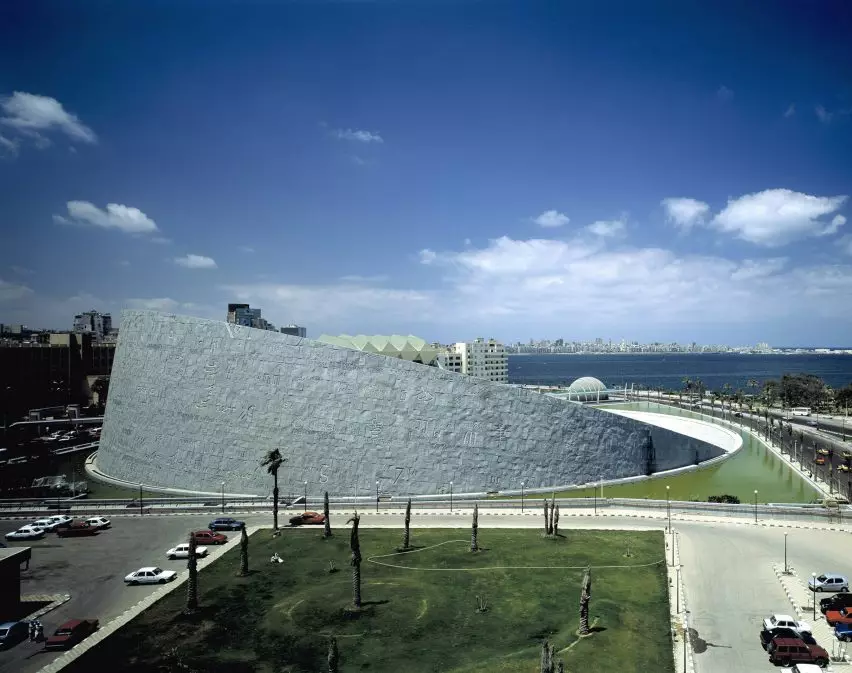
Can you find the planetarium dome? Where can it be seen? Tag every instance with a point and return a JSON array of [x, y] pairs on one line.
[[587, 389]]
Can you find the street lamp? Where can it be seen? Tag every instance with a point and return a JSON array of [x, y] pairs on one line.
[[785, 553], [377, 497], [140, 498], [813, 587], [595, 493], [522, 497], [223, 497], [755, 505], [451, 496], [668, 509], [305, 499]]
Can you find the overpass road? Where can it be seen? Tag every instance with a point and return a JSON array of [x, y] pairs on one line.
[[729, 582]]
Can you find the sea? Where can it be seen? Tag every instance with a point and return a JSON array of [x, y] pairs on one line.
[[667, 371]]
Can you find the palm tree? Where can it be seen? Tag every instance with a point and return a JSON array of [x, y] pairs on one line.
[[726, 395], [474, 529], [272, 462], [192, 580], [333, 655], [406, 538], [327, 531], [687, 384], [585, 596], [355, 547], [244, 569], [546, 657]]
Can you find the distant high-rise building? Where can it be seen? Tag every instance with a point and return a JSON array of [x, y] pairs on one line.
[[480, 358], [294, 330], [94, 323], [243, 314]]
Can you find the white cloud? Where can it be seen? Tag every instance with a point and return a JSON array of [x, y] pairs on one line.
[[724, 93], [758, 268], [775, 217], [8, 147], [116, 216], [358, 136], [836, 222], [247, 249], [791, 110], [364, 279], [12, 291], [685, 213], [165, 304], [552, 218], [608, 228], [29, 114], [195, 262]]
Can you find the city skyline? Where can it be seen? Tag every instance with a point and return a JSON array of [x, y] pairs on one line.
[[449, 171]]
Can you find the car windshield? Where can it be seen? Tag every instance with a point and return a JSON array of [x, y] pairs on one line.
[[157, 571], [821, 578], [4, 632]]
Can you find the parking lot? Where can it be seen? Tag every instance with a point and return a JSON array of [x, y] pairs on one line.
[[727, 569]]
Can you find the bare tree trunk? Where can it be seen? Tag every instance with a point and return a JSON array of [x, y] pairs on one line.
[[356, 584], [275, 502], [556, 522], [585, 596], [355, 547], [546, 518], [474, 531], [333, 655], [244, 542], [550, 520], [546, 657], [327, 532], [560, 666], [406, 538], [192, 580]]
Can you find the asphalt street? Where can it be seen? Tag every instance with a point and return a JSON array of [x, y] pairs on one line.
[[727, 568]]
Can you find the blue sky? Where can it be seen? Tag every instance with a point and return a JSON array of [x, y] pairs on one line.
[[650, 171]]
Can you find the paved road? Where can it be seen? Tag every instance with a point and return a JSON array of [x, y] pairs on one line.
[[730, 585]]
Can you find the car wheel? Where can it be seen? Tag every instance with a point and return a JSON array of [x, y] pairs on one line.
[[161, 582], [172, 557], [785, 662], [822, 663], [134, 583]]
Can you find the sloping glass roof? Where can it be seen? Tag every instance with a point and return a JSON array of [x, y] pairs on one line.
[[411, 348]]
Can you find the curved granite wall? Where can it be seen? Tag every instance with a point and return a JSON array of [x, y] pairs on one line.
[[196, 402]]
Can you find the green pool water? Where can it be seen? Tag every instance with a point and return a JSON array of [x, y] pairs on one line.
[[752, 467]]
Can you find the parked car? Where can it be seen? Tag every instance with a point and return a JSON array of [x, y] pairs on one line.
[[150, 575], [226, 524], [820, 460], [843, 467], [841, 616], [789, 651], [835, 602], [785, 622], [209, 537], [12, 633], [813, 423], [829, 582], [47, 524], [843, 632], [26, 533], [781, 632], [71, 633], [99, 522], [822, 452], [738, 414], [182, 551], [77, 529], [307, 519]]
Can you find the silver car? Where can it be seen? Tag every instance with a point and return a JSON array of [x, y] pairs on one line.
[[829, 582]]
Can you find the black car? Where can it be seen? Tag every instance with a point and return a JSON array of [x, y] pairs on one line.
[[226, 524], [835, 602], [767, 636]]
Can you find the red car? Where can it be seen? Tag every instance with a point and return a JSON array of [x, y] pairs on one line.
[[77, 529], [206, 537], [71, 633], [307, 519], [835, 617]]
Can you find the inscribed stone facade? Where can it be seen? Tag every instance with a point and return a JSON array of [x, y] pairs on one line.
[[197, 402]]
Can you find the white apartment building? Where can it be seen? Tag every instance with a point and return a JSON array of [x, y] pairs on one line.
[[480, 358]]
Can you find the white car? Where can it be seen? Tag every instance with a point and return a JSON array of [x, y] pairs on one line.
[[829, 582], [785, 622], [150, 575], [802, 668], [182, 551], [52, 522], [99, 522], [26, 533]]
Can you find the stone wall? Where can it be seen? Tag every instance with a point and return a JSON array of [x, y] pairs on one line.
[[197, 402]]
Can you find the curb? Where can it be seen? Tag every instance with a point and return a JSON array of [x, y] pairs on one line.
[[58, 599]]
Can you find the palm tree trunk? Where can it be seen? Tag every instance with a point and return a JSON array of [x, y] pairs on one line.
[[333, 656], [556, 522], [356, 584], [192, 580], [546, 518], [327, 531], [474, 530], [406, 538], [244, 569], [275, 502]]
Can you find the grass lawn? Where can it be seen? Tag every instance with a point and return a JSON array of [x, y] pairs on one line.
[[418, 618]]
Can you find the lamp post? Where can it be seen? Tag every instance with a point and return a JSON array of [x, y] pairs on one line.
[[668, 509], [785, 553], [377, 497], [223, 497], [813, 601], [140, 498], [305, 499], [595, 492], [755, 505], [673, 544], [522, 497], [451, 496]]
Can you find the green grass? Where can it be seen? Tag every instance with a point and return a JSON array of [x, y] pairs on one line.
[[414, 620]]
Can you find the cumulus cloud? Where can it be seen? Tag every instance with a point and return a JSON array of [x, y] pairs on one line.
[[551, 218], [359, 136], [191, 261], [685, 213], [12, 291], [758, 268], [8, 147], [32, 116], [836, 222], [608, 228], [775, 217], [115, 216]]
